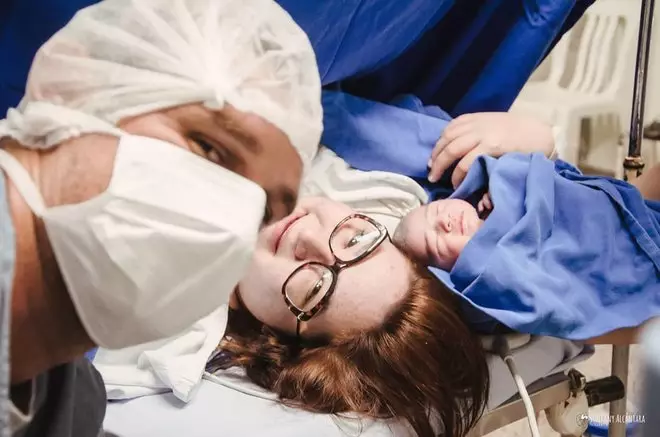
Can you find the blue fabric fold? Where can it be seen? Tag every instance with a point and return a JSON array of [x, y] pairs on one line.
[[354, 37], [372, 136], [465, 56], [561, 254], [396, 137], [476, 58]]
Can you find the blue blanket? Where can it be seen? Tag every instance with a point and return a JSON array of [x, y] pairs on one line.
[[398, 137], [562, 254]]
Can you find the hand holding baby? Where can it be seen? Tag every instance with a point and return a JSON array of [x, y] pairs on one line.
[[487, 133], [436, 234], [485, 206]]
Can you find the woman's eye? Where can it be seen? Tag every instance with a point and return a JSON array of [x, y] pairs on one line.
[[356, 239], [311, 294]]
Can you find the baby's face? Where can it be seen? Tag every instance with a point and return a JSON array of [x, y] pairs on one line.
[[437, 233]]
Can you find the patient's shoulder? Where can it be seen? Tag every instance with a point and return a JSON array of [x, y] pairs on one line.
[[332, 177]]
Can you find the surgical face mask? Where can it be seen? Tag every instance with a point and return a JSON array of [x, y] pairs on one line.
[[162, 247]]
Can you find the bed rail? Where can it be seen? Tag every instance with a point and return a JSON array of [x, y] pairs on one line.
[[560, 387], [633, 165], [548, 393]]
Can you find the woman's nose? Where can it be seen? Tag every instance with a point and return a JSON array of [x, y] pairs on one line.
[[313, 247]]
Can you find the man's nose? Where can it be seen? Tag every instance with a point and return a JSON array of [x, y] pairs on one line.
[[279, 204], [312, 246]]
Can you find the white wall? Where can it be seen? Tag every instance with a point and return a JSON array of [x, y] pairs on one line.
[[653, 81], [600, 139]]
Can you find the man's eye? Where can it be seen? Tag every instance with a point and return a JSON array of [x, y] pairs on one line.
[[208, 151], [268, 215]]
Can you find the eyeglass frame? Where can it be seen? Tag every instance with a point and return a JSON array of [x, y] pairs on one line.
[[338, 266]]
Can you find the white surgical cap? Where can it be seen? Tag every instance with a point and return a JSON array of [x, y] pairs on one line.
[[122, 58]]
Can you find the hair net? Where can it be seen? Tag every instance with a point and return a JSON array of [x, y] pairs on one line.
[[122, 58]]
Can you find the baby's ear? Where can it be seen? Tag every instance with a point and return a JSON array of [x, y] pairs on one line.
[[399, 236]]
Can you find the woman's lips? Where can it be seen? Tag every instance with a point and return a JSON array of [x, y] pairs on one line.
[[280, 228]]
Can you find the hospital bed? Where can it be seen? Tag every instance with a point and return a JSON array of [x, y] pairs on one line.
[[554, 391], [227, 404]]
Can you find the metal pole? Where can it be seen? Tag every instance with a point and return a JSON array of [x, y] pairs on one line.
[[617, 425], [633, 164]]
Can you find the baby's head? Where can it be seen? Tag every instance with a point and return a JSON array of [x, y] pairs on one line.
[[436, 233]]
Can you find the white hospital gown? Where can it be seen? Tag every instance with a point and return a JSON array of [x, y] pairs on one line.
[[385, 197], [178, 363]]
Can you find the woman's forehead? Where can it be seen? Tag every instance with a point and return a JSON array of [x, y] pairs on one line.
[[366, 292]]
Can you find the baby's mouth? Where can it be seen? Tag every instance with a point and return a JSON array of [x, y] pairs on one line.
[[463, 225], [457, 223]]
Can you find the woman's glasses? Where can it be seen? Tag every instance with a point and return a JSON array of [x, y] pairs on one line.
[[308, 288]]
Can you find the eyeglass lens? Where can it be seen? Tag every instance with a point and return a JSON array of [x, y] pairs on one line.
[[309, 285], [354, 238]]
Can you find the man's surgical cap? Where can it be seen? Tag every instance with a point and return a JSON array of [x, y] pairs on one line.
[[122, 58]]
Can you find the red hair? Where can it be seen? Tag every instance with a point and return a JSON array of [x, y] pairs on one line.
[[423, 358]]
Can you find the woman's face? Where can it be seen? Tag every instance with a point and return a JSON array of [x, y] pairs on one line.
[[365, 292], [241, 142]]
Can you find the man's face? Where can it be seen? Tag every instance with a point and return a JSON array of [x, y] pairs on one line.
[[241, 142]]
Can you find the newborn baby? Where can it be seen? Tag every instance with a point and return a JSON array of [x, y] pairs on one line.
[[436, 233]]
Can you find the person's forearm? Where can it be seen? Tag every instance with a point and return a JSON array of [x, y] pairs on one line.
[[649, 183], [621, 337]]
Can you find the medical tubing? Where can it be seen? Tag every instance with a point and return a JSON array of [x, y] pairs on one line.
[[501, 345]]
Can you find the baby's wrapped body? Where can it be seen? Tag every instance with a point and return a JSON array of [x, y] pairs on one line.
[[561, 254]]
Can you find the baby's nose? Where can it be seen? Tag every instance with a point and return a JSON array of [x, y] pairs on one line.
[[444, 223], [313, 247]]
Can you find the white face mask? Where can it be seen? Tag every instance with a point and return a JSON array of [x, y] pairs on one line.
[[162, 247]]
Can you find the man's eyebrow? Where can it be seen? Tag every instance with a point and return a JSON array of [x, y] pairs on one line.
[[239, 132]]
